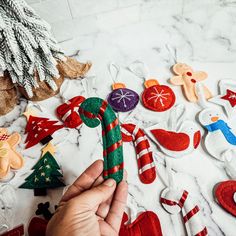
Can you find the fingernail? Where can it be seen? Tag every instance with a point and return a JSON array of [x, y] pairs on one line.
[[109, 182]]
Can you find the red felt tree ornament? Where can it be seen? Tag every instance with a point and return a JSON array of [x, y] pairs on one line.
[[40, 129], [146, 224]]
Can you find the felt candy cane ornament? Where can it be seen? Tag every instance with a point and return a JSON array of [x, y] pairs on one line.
[[94, 111], [155, 97], [146, 165], [121, 98]]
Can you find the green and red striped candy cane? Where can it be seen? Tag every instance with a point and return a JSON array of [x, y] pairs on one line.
[[94, 111]]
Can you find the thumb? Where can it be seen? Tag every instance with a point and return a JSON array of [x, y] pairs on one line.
[[96, 195]]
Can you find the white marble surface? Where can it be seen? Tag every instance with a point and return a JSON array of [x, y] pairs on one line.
[[158, 32]]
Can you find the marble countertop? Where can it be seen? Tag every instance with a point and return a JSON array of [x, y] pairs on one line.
[[200, 33]]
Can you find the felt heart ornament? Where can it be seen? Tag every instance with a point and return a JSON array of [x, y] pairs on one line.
[[37, 227], [122, 99], [187, 78], [225, 195], [157, 97], [146, 224], [68, 112]]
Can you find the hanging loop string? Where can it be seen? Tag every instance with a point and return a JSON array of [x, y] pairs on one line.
[[140, 69], [114, 71]]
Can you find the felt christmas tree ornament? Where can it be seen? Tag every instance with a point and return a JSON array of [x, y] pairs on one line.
[[45, 175], [68, 112], [146, 165], [218, 131], [186, 77], [121, 98], [225, 195], [146, 224], [176, 137], [9, 157], [94, 111], [8, 94], [227, 97], [155, 97]]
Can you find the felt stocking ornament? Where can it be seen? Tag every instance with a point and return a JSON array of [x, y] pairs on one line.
[[121, 98], [176, 137], [68, 112], [155, 97], [146, 165], [94, 111]]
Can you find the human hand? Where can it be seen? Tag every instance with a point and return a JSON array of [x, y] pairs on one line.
[[91, 206]]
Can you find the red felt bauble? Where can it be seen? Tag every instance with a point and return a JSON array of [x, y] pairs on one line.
[[224, 194], [146, 224], [157, 97], [68, 112], [37, 227]]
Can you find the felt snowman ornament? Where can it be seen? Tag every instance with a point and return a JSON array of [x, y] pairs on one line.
[[227, 97], [155, 97], [177, 136], [121, 98], [219, 132]]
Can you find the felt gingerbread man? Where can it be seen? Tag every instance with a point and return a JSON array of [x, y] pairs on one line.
[[9, 157], [187, 78]]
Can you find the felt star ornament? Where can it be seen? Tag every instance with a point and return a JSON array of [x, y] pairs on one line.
[[49, 148], [227, 97], [29, 112]]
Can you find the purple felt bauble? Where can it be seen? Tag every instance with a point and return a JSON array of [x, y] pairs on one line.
[[123, 99]]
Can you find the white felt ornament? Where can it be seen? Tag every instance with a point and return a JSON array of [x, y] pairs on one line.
[[176, 137], [227, 96]]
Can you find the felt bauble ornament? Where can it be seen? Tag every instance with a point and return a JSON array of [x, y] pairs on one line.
[[175, 201], [219, 133], [146, 165], [146, 224], [45, 175], [225, 195], [40, 129], [68, 112], [176, 137], [187, 78], [94, 111], [121, 98], [9, 157], [17, 231], [227, 97], [8, 95], [37, 227]]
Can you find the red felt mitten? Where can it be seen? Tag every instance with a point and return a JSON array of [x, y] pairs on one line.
[[157, 97], [68, 112], [147, 224], [225, 194], [37, 227]]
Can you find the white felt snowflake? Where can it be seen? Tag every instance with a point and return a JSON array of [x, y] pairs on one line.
[[158, 96], [227, 97], [122, 96]]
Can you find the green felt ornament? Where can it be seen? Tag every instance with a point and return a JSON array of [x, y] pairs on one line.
[[46, 174], [95, 111]]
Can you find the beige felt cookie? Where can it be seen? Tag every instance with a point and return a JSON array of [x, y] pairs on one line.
[[187, 78], [9, 157]]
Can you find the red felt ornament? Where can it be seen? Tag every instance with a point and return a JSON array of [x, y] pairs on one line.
[[146, 165], [40, 129], [17, 231], [225, 194], [146, 224], [68, 112], [37, 227]]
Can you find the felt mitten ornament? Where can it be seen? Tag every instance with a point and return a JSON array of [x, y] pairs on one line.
[[121, 98], [146, 224], [146, 165], [176, 137], [227, 97], [9, 157], [68, 112], [94, 111], [187, 78], [155, 97]]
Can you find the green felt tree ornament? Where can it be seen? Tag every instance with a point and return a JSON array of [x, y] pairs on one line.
[[46, 175]]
